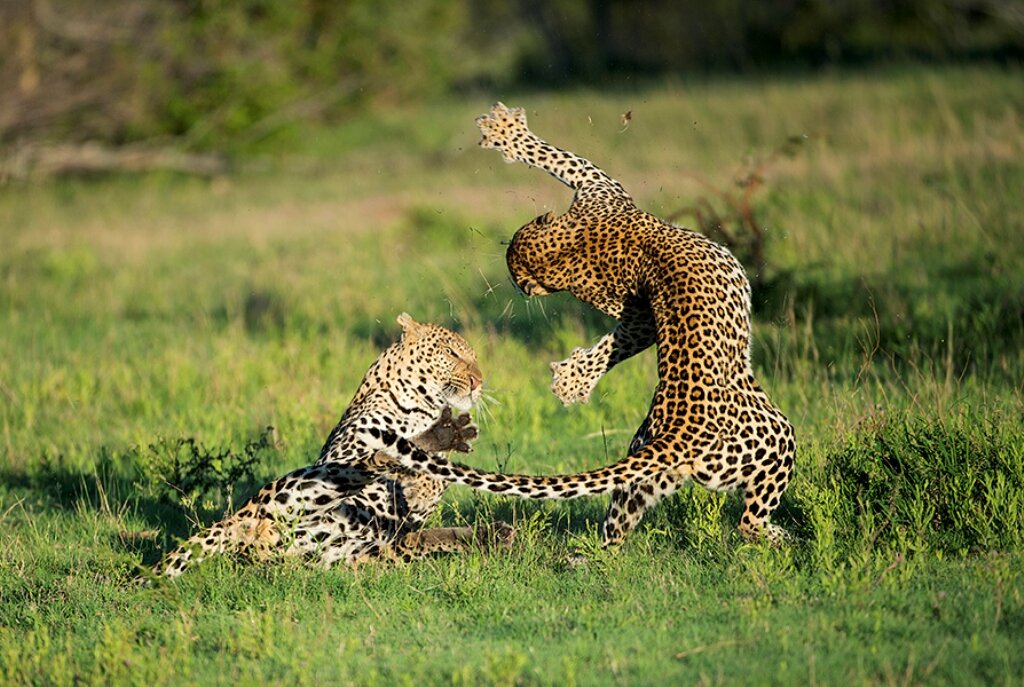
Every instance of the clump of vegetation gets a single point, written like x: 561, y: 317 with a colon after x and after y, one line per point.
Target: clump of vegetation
x: 212, y: 73
x: 182, y: 473
x: 187, y: 472
x: 937, y: 485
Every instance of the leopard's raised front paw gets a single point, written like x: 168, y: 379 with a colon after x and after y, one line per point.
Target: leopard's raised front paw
x: 449, y: 434
x: 498, y: 128
x: 572, y: 381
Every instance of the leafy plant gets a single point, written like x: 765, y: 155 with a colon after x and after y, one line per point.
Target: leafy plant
x: 935, y: 485
x: 187, y: 472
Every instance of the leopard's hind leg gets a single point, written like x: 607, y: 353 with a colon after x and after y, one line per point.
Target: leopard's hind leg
x: 244, y: 532
x: 764, y: 490
x: 630, y: 503
x: 756, y: 456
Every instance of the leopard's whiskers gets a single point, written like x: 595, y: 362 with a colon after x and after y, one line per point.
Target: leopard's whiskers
x: 483, y: 407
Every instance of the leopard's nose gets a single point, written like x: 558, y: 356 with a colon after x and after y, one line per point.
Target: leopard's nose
x: 476, y: 377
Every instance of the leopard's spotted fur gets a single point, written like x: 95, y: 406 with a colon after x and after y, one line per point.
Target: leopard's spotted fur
x: 709, y: 420
x: 355, y: 503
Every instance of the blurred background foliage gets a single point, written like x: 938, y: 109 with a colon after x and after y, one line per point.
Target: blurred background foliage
x: 212, y: 75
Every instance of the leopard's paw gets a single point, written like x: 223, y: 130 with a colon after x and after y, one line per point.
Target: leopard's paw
x: 771, y: 534
x: 777, y: 536
x: 572, y: 381
x: 576, y: 560
x: 449, y: 434
x: 500, y: 126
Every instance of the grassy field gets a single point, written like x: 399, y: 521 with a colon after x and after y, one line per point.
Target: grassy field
x: 162, y: 323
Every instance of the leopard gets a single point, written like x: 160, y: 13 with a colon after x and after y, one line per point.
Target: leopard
x: 355, y: 503
x: 666, y: 286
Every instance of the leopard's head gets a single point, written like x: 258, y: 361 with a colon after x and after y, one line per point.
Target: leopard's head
x: 541, y: 254
x: 439, y: 364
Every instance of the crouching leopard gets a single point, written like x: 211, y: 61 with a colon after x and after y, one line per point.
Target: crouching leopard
x: 355, y: 503
x: 709, y: 420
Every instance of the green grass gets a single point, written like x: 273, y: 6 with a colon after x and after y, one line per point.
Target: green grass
x: 889, y: 325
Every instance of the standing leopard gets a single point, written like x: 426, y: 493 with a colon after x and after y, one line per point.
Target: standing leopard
x: 709, y: 420
x: 355, y: 503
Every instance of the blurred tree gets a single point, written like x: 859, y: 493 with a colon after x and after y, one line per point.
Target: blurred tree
x: 211, y: 74
x: 210, y: 71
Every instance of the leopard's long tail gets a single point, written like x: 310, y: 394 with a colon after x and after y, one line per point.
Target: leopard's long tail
x: 600, y: 481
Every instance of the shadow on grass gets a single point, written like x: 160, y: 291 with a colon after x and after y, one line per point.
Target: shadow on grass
x: 562, y: 517
x: 58, y: 489
x: 965, y: 311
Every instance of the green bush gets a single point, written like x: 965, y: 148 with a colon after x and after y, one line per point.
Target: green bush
x: 931, y: 485
x: 225, y: 75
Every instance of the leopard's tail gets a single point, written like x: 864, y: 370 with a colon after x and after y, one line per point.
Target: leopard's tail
x: 601, y: 481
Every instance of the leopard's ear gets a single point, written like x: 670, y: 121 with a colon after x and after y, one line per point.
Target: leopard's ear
x: 410, y: 327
